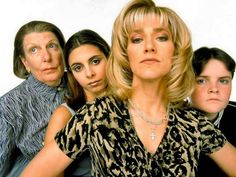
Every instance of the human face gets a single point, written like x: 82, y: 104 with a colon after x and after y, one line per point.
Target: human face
x: 150, y: 50
x: 43, y: 57
x: 88, y: 65
x: 213, y: 88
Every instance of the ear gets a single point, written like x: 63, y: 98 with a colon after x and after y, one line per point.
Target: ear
x: 26, y: 64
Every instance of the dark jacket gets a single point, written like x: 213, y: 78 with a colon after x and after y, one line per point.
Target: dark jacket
x: 207, y: 167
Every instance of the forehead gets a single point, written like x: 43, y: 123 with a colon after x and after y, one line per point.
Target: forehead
x: 36, y: 37
x: 216, y: 68
x: 134, y: 21
x: 84, y: 53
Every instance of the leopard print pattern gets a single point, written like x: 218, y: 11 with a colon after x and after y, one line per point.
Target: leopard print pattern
x: 104, y: 127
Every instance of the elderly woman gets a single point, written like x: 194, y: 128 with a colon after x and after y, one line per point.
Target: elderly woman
x: 25, y: 110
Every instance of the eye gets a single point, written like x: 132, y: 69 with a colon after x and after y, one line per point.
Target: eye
x: 33, y: 50
x: 200, y: 81
x: 136, y: 40
x: 225, y: 81
x: 162, y: 38
x: 76, y: 67
x: 96, y: 60
x: 53, y: 46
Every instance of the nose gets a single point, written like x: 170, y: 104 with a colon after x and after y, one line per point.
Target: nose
x: 46, y: 55
x: 89, y: 72
x: 213, y: 89
x: 150, y: 46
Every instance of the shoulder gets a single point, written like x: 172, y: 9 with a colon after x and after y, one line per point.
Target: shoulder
x: 189, y: 113
x: 11, y: 103
x: 14, y: 93
x: 232, y: 104
x: 101, y: 107
x: 57, y: 121
x: 110, y: 103
x: 228, y: 117
x: 65, y: 105
x: 190, y: 118
x: 62, y: 112
x: 60, y: 117
x: 230, y: 108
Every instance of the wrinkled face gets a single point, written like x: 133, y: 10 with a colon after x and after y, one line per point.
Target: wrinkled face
x: 213, y: 88
x: 88, y: 65
x: 150, y: 50
x: 43, y: 57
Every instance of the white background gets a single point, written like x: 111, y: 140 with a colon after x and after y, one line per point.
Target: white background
x: 211, y: 22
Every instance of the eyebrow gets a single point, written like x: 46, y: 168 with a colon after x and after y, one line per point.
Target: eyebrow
x: 222, y: 77
x: 94, y: 56
x: 90, y: 59
x: 139, y: 30
x: 54, y: 40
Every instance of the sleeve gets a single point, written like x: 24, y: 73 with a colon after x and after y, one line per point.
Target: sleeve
x: 7, y: 143
x: 74, y: 137
x: 212, y: 138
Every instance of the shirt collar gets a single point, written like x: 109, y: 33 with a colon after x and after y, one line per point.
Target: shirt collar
x: 218, y: 119
x: 44, y: 89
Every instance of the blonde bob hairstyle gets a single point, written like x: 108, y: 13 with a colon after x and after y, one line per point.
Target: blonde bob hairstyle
x: 180, y: 80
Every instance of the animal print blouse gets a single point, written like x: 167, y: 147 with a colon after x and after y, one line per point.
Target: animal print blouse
x: 105, y: 128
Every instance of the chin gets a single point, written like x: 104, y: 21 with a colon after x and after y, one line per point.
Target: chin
x: 214, y: 111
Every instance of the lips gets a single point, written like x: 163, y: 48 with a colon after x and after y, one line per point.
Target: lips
x: 150, y: 61
x: 94, y: 83
x: 49, y: 69
x: 213, y: 100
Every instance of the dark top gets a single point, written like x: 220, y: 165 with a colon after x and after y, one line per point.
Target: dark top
x: 227, y: 124
x: 24, y: 115
x: 105, y: 128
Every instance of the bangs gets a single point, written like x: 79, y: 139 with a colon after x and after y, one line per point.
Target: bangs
x: 137, y: 17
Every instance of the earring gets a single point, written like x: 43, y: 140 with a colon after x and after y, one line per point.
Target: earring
x: 65, y: 69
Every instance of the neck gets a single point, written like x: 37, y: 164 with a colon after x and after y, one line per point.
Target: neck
x: 152, y: 107
x: 212, y: 116
x: 54, y: 83
x: 148, y: 90
x: 148, y: 99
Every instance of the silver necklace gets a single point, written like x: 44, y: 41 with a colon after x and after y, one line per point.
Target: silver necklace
x: 142, y: 115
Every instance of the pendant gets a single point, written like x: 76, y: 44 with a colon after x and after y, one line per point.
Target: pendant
x: 153, y: 135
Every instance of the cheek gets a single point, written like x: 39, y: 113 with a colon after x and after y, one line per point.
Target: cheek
x: 79, y: 78
x: 102, y: 72
x: 59, y: 60
x: 198, y: 91
x: 101, y: 69
x: 133, y: 53
x: 34, y: 65
x: 226, y: 92
x: 197, y: 96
